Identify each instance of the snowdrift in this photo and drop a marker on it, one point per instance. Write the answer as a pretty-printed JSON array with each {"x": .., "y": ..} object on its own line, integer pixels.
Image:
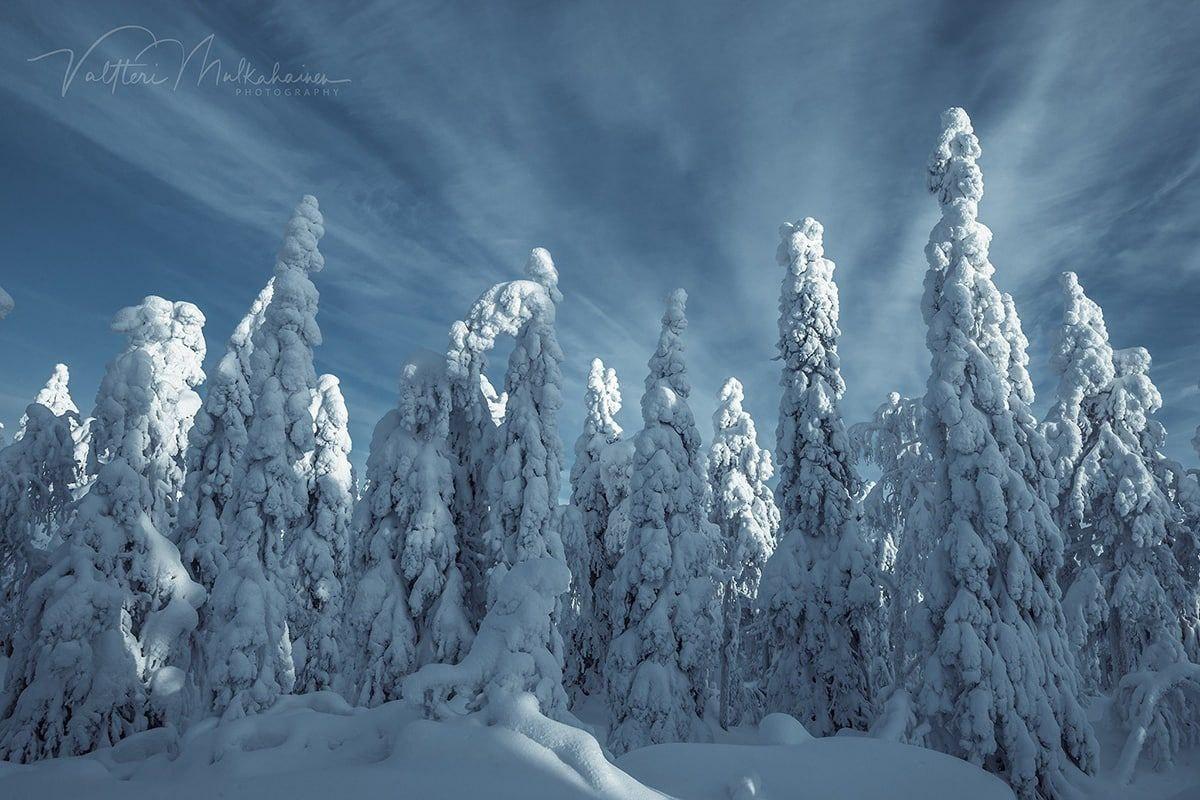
[
  {"x": 833, "y": 768},
  {"x": 315, "y": 747}
]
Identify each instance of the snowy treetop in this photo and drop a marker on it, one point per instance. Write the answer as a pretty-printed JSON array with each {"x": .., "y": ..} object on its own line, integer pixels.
[
  {"x": 156, "y": 320},
  {"x": 602, "y": 401},
  {"x": 953, "y": 173},
  {"x": 303, "y": 232},
  {"x": 502, "y": 309}
]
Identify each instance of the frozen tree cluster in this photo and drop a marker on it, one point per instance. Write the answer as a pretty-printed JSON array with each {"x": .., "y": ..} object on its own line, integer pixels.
[{"x": 952, "y": 572}]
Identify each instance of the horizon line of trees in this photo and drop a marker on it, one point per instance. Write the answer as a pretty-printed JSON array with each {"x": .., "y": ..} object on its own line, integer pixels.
[{"x": 171, "y": 558}]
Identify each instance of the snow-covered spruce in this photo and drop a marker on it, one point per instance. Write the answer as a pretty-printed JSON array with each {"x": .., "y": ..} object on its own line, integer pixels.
[
  {"x": 56, "y": 396},
  {"x": 37, "y": 472},
  {"x": 319, "y": 553},
  {"x": 1126, "y": 601},
  {"x": 523, "y": 649},
  {"x": 523, "y": 482},
  {"x": 891, "y": 440},
  {"x": 103, "y": 647},
  {"x": 247, "y": 646},
  {"x": 587, "y": 624},
  {"x": 216, "y": 447},
  {"x": 743, "y": 509},
  {"x": 477, "y": 410},
  {"x": 664, "y": 602},
  {"x": 821, "y": 590},
  {"x": 146, "y": 403},
  {"x": 407, "y": 606},
  {"x": 999, "y": 685}
]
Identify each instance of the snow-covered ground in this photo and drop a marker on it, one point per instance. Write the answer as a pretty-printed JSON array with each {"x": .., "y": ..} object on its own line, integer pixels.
[{"x": 316, "y": 746}]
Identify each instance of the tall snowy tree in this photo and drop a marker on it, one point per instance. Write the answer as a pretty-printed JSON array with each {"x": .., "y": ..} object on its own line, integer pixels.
[
  {"x": 522, "y": 540},
  {"x": 319, "y": 553},
  {"x": 216, "y": 446},
  {"x": 248, "y": 650},
  {"x": 591, "y": 564},
  {"x": 744, "y": 511},
  {"x": 37, "y": 472},
  {"x": 822, "y": 589},
  {"x": 407, "y": 607},
  {"x": 167, "y": 344},
  {"x": 1129, "y": 590},
  {"x": 103, "y": 647},
  {"x": 524, "y": 479},
  {"x": 999, "y": 686},
  {"x": 664, "y": 601},
  {"x": 477, "y": 411}
]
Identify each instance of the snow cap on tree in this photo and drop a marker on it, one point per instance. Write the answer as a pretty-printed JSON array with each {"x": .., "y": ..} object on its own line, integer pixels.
[{"x": 55, "y": 395}]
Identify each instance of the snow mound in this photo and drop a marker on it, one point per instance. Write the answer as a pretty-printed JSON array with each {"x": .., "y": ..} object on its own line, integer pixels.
[
  {"x": 314, "y": 747},
  {"x": 782, "y": 729},
  {"x": 838, "y": 768}
]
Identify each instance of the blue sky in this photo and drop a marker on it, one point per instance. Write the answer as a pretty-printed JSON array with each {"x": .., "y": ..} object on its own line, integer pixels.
[{"x": 647, "y": 146}]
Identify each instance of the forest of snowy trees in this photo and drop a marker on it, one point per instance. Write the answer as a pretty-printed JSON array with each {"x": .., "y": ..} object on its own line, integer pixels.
[{"x": 199, "y": 546}]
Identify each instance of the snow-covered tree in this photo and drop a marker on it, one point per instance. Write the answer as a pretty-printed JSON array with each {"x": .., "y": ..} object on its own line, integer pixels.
[
  {"x": 522, "y": 491},
  {"x": 216, "y": 446},
  {"x": 56, "y": 396},
  {"x": 891, "y": 441},
  {"x": 822, "y": 587},
  {"x": 477, "y": 411},
  {"x": 664, "y": 601},
  {"x": 146, "y": 403},
  {"x": 319, "y": 553},
  {"x": 408, "y": 601},
  {"x": 744, "y": 511},
  {"x": 1129, "y": 593},
  {"x": 588, "y": 625},
  {"x": 103, "y": 647},
  {"x": 37, "y": 472},
  {"x": 524, "y": 479},
  {"x": 248, "y": 650},
  {"x": 999, "y": 687}
]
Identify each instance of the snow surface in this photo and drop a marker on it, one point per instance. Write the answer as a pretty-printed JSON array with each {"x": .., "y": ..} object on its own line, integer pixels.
[{"x": 315, "y": 746}]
